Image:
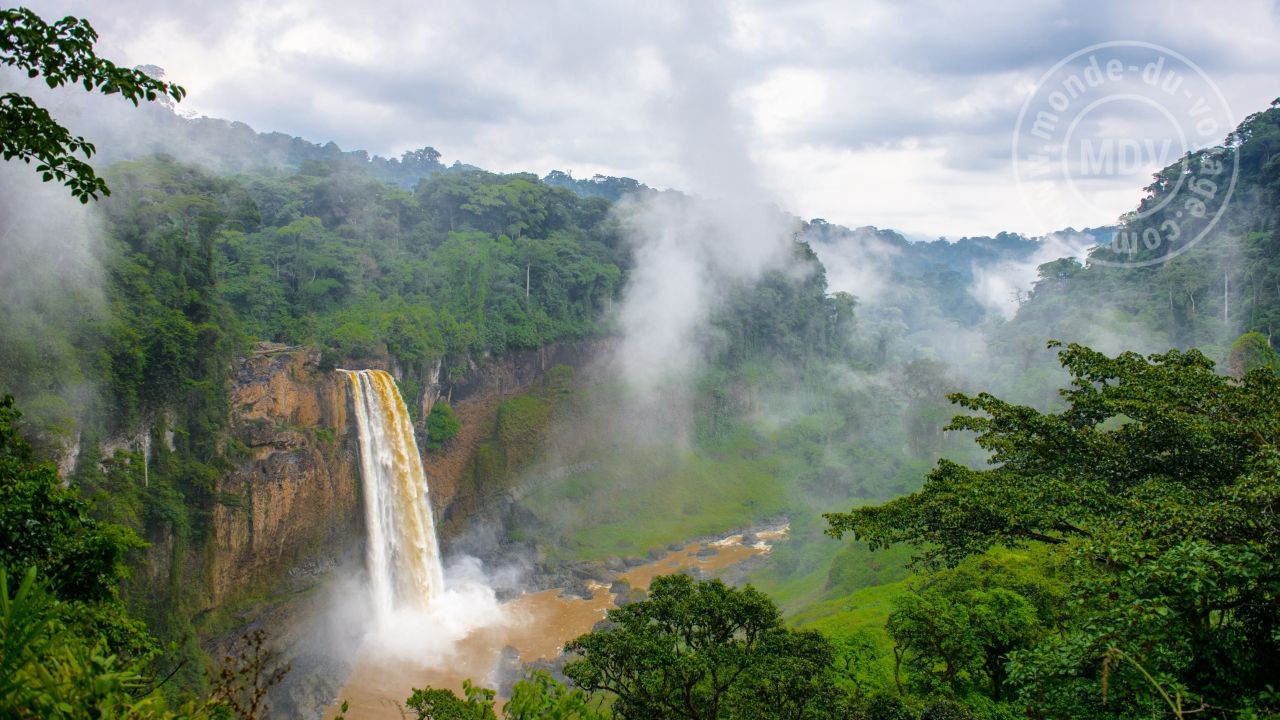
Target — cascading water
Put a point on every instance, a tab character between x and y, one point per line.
403	556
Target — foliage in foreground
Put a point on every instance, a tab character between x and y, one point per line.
68	648
704	650
48	669
538	697
1156	489
61	53
47	528
691	650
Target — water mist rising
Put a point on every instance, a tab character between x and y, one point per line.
405	572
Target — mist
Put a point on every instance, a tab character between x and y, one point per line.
51	242
1002	286
688	250
51	292
861	264
431	637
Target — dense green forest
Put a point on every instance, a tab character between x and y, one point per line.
1105	549
469	263
1207	296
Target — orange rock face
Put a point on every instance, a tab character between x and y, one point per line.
295	500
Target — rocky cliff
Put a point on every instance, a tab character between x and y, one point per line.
476	397
293	513
294	501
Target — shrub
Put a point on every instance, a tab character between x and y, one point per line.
442	425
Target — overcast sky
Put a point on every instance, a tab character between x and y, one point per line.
899	115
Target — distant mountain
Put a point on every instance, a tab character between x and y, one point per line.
963	281
1208	292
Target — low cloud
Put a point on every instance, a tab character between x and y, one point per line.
1000	287
859	263
689	250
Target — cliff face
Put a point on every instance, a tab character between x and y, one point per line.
295	506
295	500
296	513
476	398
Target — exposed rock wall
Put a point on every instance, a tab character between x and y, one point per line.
297	509
295	506
475	398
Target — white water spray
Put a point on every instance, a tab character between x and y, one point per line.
403	556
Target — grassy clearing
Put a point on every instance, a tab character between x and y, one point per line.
638	500
625	499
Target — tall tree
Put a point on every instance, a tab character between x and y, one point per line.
701	651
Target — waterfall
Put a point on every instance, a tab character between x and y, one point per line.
403	556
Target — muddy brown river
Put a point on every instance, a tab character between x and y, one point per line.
539	625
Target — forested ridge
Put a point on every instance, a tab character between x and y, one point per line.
1115	557
1209	294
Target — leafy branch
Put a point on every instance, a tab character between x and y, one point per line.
62	53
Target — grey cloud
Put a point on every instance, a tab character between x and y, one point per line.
524	86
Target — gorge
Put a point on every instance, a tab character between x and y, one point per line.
419	633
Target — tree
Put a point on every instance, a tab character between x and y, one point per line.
442	424
855	658
48	527
924	384
701	651
62	53
542	697
438	704
1158	481
954	630
1251	350
537	697
791	679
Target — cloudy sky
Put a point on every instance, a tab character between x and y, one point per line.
899	115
